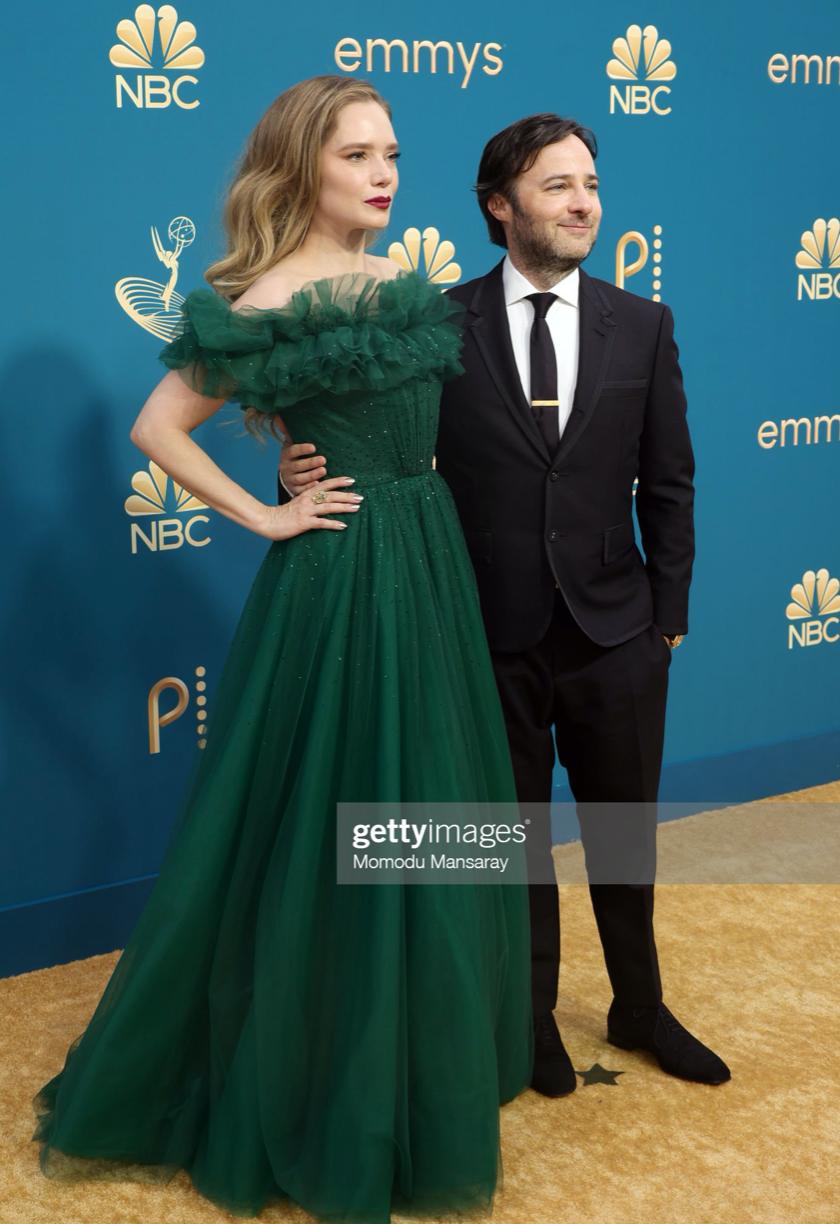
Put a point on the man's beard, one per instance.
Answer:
(538, 253)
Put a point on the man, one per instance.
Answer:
(572, 389)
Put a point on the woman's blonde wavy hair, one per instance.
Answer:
(274, 192)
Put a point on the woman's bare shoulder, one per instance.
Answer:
(385, 267)
(269, 291)
(275, 287)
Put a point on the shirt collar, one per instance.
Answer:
(516, 286)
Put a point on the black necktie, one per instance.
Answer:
(544, 402)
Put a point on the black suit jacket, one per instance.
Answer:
(535, 521)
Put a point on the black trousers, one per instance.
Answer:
(603, 708)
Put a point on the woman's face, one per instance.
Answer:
(358, 164)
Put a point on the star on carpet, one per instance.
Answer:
(599, 1075)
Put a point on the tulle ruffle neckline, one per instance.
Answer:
(351, 332)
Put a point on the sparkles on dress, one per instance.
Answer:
(276, 1034)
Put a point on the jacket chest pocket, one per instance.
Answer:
(621, 406)
(626, 388)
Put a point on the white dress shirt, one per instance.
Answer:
(562, 319)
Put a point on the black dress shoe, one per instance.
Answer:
(553, 1073)
(677, 1051)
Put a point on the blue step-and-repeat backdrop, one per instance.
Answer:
(721, 197)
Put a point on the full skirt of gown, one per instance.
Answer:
(277, 1035)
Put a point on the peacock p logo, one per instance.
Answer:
(630, 264)
(157, 499)
(643, 59)
(173, 686)
(427, 254)
(813, 610)
(819, 258)
(148, 43)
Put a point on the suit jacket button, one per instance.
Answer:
(554, 476)
(552, 535)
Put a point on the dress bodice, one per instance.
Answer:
(352, 363)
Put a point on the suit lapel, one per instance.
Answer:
(596, 334)
(487, 318)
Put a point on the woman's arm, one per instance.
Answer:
(162, 431)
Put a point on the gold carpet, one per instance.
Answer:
(752, 969)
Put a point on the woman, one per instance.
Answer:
(273, 1033)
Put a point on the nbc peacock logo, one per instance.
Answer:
(427, 254)
(813, 610)
(818, 258)
(643, 61)
(151, 42)
(156, 501)
(173, 686)
(641, 249)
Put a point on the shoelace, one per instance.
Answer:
(667, 1017)
(669, 1020)
(672, 1024)
(683, 1037)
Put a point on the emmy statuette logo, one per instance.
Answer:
(812, 612)
(643, 61)
(818, 258)
(156, 305)
(158, 719)
(155, 500)
(426, 253)
(630, 265)
(150, 42)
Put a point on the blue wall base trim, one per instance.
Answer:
(70, 928)
(737, 777)
(61, 929)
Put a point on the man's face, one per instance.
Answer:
(552, 219)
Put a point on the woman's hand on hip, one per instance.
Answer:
(309, 510)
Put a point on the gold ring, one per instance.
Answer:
(320, 496)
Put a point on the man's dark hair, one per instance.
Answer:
(513, 151)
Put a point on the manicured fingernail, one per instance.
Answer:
(349, 479)
(357, 496)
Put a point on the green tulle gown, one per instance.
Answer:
(276, 1034)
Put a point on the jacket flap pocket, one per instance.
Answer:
(618, 540)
